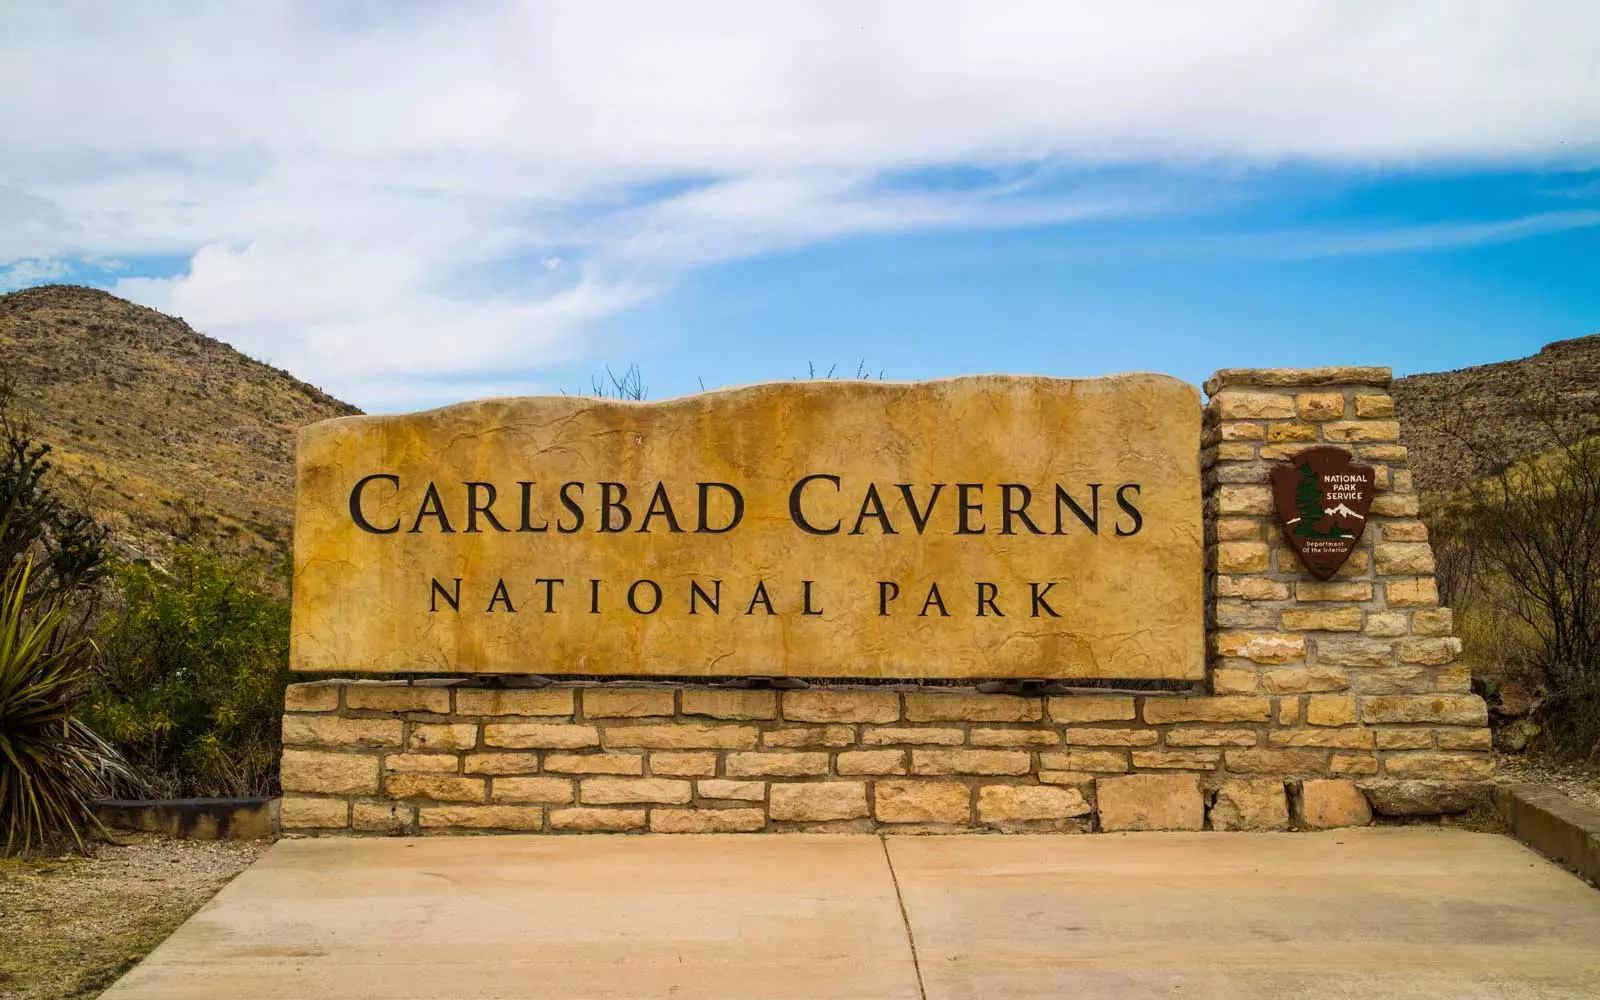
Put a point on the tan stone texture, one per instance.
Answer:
(1323, 619)
(391, 698)
(1374, 405)
(301, 812)
(1158, 711)
(743, 791)
(1404, 739)
(1294, 378)
(1235, 404)
(1088, 761)
(385, 817)
(787, 765)
(622, 791)
(444, 736)
(314, 697)
(810, 737)
(595, 763)
(841, 706)
(441, 787)
(1464, 739)
(362, 599)
(1261, 647)
(706, 820)
(1091, 708)
(922, 802)
(971, 761)
(522, 818)
(1404, 558)
(891, 735)
(430, 763)
(1242, 557)
(1344, 763)
(1333, 590)
(1250, 804)
(1226, 680)
(329, 773)
(1296, 680)
(732, 704)
(1104, 737)
(1014, 738)
(502, 763)
(1205, 736)
(1029, 803)
(328, 730)
(871, 762)
(683, 764)
(1435, 652)
(542, 735)
(626, 703)
(1343, 738)
(1260, 761)
(1328, 803)
(1433, 621)
(817, 801)
(1320, 406)
(1452, 709)
(1443, 766)
(579, 820)
(1418, 593)
(681, 736)
(938, 707)
(1177, 760)
(488, 701)
(554, 790)
(1330, 710)
(1150, 802)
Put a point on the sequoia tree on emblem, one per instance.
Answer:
(1322, 501)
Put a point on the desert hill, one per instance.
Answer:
(1490, 404)
(165, 433)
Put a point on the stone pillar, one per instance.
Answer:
(1364, 663)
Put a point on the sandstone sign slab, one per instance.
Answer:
(988, 526)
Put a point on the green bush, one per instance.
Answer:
(191, 675)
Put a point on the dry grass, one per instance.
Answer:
(70, 926)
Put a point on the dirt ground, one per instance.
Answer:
(70, 925)
(1581, 782)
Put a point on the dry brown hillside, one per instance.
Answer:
(168, 433)
(1488, 403)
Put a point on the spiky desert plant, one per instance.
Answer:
(51, 764)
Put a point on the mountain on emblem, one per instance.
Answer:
(1322, 501)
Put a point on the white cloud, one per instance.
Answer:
(354, 181)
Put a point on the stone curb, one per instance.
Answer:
(1554, 825)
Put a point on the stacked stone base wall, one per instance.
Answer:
(390, 757)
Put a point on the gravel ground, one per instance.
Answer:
(1581, 782)
(70, 925)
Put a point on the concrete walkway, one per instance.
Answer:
(1388, 913)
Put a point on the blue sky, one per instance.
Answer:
(414, 204)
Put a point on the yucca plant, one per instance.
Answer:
(51, 764)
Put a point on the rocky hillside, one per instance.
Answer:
(165, 433)
(1491, 405)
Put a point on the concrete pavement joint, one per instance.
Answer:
(905, 918)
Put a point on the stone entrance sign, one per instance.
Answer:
(974, 527)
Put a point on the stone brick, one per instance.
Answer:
(922, 802)
(1362, 375)
(1404, 531)
(1329, 803)
(1464, 739)
(1226, 680)
(1404, 739)
(1448, 709)
(1091, 708)
(1443, 766)
(1238, 529)
(626, 703)
(1241, 557)
(501, 763)
(1205, 736)
(481, 817)
(1239, 431)
(1330, 710)
(817, 801)
(329, 773)
(1431, 652)
(1345, 763)
(1393, 680)
(707, 820)
(730, 704)
(1239, 451)
(1423, 798)
(931, 707)
(556, 790)
(829, 705)
(623, 791)
(1333, 590)
(1251, 588)
(1387, 623)
(810, 737)
(1237, 404)
(971, 761)
(1158, 711)
(1295, 761)
(1278, 433)
(1342, 739)
(1288, 711)
(892, 735)
(1455, 680)
(384, 696)
(1177, 760)
(1014, 738)
(1362, 431)
(1250, 804)
(514, 701)
(1088, 761)
(318, 696)
(742, 791)
(1320, 406)
(597, 820)
(595, 763)
(682, 736)
(385, 817)
(301, 812)
(1151, 802)
(440, 787)
(543, 735)
(1404, 558)
(1029, 803)
(1295, 680)
(1323, 619)
(871, 762)
(1080, 780)
(1098, 737)
(1244, 615)
(1396, 505)
(1235, 500)
(1377, 405)
(1433, 621)
(427, 763)
(1348, 652)
(1382, 453)
(684, 764)
(440, 736)
(332, 731)
(788, 765)
(1260, 647)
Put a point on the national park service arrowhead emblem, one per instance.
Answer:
(1322, 502)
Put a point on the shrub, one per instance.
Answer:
(191, 675)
